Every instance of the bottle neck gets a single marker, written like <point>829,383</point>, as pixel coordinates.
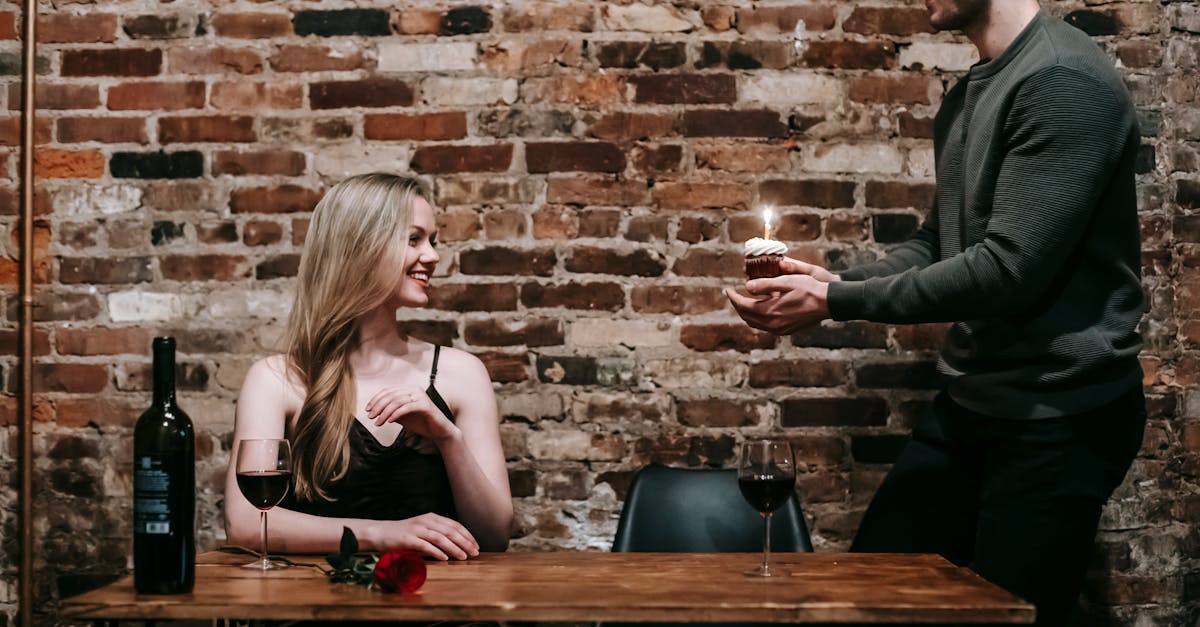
<point>164,376</point>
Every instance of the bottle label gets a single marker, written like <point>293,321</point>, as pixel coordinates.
<point>152,494</point>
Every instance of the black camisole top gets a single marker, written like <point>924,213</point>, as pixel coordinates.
<point>391,482</point>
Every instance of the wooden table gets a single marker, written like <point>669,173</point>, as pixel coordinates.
<point>590,586</point>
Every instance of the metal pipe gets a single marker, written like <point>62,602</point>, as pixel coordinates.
<point>25,412</point>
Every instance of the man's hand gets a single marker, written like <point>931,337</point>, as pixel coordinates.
<point>793,266</point>
<point>783,304</point>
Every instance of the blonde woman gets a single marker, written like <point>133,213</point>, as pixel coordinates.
<point>393,437</point>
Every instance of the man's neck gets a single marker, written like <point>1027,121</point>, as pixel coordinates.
<point>1005,20</point>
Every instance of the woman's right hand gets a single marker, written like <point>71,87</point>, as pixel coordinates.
<point>433,535</point>
<point>795,266</point>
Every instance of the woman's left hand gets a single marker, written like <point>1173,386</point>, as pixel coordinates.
<point>413,410</point>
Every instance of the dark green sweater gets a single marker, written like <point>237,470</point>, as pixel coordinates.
<point>1032,247</point>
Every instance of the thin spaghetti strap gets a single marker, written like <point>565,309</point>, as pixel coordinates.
<point>437,350</point>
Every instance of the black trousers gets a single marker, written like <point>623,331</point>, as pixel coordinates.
<point>1018,501</point>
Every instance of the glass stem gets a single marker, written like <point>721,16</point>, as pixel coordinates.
<point>263,518</point>
<point>766,540</point>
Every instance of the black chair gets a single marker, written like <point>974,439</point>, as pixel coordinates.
<point>685,510</point>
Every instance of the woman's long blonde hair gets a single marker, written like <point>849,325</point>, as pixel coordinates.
<point>340,279</point>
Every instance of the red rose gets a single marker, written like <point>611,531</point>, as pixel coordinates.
<point>400,571</point>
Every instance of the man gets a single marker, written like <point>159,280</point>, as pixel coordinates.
<point>1032,250</point>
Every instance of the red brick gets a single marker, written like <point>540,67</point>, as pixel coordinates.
<point>542,157</point>
<point>299,230</point>
<point>252,25</point>
<point>528,332</point>
<point>281,199</point>
<point>504,223</point>
<point>1140,53</point>
<point>819,193</point>
<point>715,412</point>
<point>803,373</point>
<point>209,128</point>
<point>789,227</point>
<point>595,191</point>
<point>653,228</point>
<point>902,89</point>
<point>293,58</point>
<point>713,263</point>
<point>67,28</point>
<point>161,25</point>
<point>112,62</point>
<point>10,131</point>
<point>104,270</point>
<point>575,295</point>
<point>92,411</point>
<point>718,18</point>
<point>8,25</point>
<point>56,96</point>
<point>10,342</point>
<point>850,55</point>
<point>203,267</point>
<point>70,378</point>
<point>846,228</point>
<point>209,60</point>
<point>888,21</point>
<point>262,233</point>
<point>507,261</point>
<point>631,125</point>
<point>242,96</point>
<point>417,21</point>
<point>743,157</point>
<point>548,16</point>
<point>278,267</point>
<point>421,126</point>
<point>505,367</point>
<point>588,90</point>
<point>66,164</point>
<point>724,337</point>
<point>782,19</point>
<point>746,55</point>
<point>655,55</point>
<point>913,126</point>
<point>457,226</point>
<point>109,130</point>
<point>685,88</point>
<point>557,223</point>
<point>834,412</point>
<point>639,262</point>
<point>264,162</point>
<point>921,337</point>
<point>678,299</point>
<point>696,195</point>
<point>898,195</point>
<point>445,159</point>
<point>474,297</point>
<point>657,159</point>
<point>156,96</point>
<point>371,92</point>
<point>102,340</point>
<point>599,223</point>
<point>726,123</point>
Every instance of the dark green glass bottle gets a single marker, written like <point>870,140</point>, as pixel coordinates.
<point>164,487</point>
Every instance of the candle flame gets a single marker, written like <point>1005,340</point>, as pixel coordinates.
<point>767,213</point>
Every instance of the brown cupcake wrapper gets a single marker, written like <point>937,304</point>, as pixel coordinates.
<point>763,266</point>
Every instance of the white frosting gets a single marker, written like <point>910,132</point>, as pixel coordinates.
<point>756,246</point>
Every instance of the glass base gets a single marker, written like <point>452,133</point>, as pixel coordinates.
<point>764,570</point>
<point>266,564</point>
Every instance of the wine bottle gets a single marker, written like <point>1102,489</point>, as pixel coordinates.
<point>164,487</point>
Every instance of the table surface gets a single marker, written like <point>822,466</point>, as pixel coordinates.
<point>589,586</point>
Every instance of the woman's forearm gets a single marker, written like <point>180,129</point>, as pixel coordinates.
<point>483,508</point>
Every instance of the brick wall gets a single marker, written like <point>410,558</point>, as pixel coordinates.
<point>596,167</point>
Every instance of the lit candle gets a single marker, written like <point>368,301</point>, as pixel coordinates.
<point>766,224</point>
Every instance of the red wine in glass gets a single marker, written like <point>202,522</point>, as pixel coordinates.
<point>264,488</point>
<point>765,493</point>
<point>264,472</point>
<point>767,479</point>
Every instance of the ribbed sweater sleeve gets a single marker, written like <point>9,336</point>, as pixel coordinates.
<point>919,251</point>
<point>1065,135</point>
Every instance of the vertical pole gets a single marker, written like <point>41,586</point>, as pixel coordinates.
<point>25,411</point>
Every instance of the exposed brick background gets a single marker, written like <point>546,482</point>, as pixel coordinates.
<point>595,167</point>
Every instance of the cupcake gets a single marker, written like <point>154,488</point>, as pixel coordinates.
<point>763,257</point>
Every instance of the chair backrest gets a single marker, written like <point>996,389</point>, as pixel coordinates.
<point>686,510</point>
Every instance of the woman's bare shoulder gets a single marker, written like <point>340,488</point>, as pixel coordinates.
<point>272,373</point>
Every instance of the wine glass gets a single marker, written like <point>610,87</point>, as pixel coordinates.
<point>264,472</point>
<point>767,479</point>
